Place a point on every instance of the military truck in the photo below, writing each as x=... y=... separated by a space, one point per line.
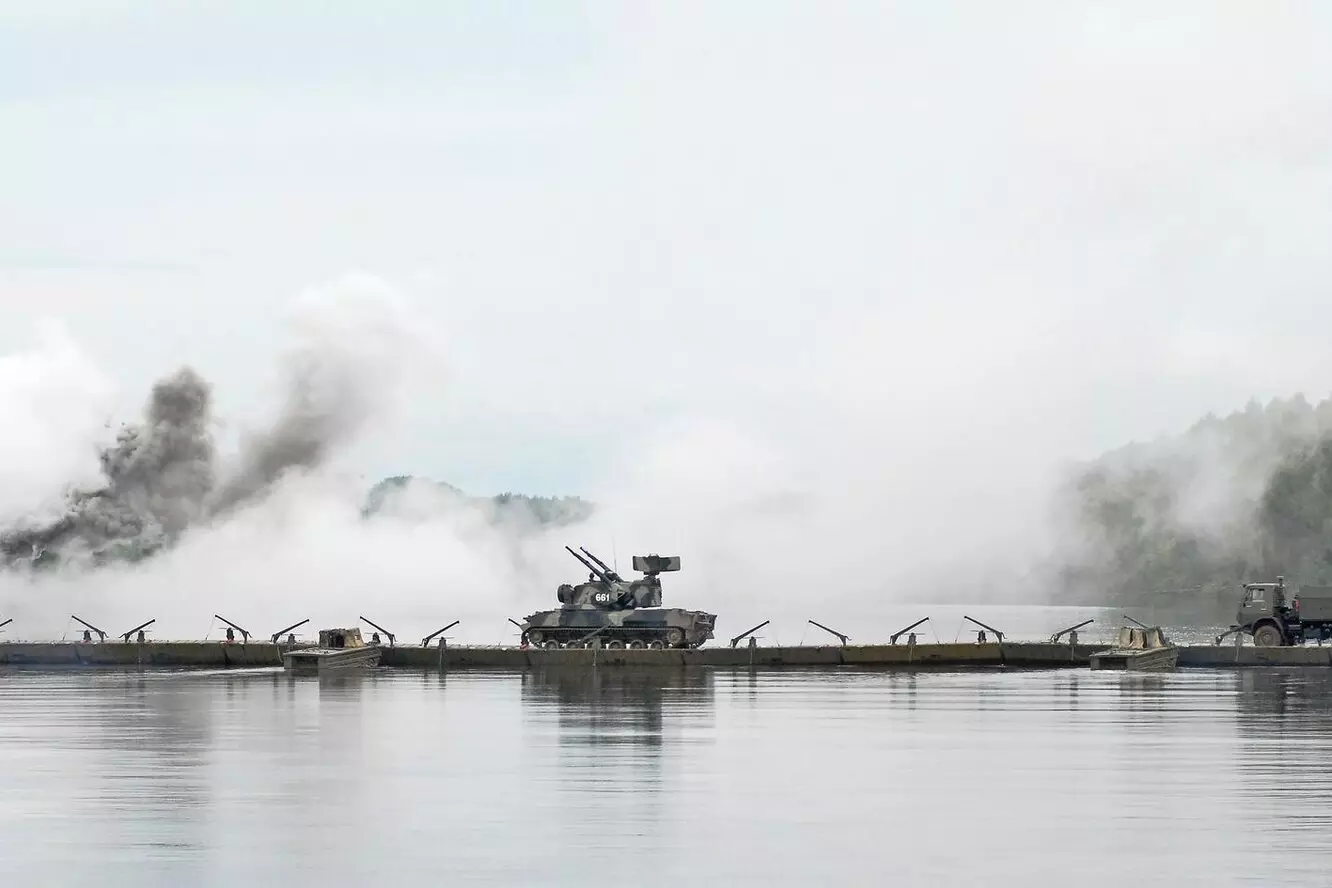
x=1274 y=617
x=621 y=613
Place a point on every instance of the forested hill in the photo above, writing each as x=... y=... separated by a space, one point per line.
x=512 y=509
x=1185 y=519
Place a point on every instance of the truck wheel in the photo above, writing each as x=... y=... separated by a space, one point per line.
x=1268 y=635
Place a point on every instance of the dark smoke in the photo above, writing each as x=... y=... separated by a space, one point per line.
x=157 y=476
x=161 y=477
x=322 y=410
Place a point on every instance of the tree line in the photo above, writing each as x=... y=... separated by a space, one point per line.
x=1184 y=519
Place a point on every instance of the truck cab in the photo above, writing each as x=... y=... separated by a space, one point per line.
x=1265 y=613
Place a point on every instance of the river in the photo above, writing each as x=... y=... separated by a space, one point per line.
x=667 y=778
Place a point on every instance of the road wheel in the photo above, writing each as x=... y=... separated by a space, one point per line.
x=656 y=644
x=615 y=643
x=637 y=644
x=550 y=644
x=1268 y=635
x=675 y=636
x=535 y=637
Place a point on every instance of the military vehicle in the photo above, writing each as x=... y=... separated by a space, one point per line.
x=1273 y=619
x=621 y=613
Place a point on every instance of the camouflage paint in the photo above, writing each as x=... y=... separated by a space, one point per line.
x=621 y=613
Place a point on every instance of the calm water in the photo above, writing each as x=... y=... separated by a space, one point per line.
x=708 y=778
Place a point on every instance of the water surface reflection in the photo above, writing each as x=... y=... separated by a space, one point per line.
x=667 y=777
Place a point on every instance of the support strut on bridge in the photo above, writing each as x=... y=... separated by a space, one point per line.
x=522 y=633
x=425 y=642
x=736 y=640
x=980 y=636
x=375 y=639
x=278 y=634
x=910 y=640
x=1071 y=631
x=87 y=625
x=230 y=626
x=139 y=629
x=830 y=631
x=1140 y=624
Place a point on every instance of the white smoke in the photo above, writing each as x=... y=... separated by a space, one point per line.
x=274 y=533
x=280 y=531
x=56 y=406
x=348 y=368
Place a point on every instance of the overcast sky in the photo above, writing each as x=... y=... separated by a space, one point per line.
x=1039 y=228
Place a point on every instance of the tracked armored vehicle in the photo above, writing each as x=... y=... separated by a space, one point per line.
x=621 y=613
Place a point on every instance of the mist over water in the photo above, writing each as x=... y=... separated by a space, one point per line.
x=169 y=523
x=159 y=519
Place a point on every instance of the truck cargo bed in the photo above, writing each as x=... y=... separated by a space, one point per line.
x=1315 y=604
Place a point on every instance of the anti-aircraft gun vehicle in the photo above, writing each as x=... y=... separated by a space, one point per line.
x=619 y=612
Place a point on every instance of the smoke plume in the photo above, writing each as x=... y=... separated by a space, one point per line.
x=342 y=372
x=162 y=475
